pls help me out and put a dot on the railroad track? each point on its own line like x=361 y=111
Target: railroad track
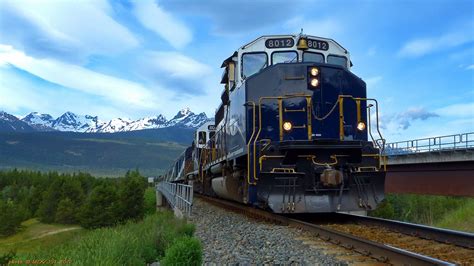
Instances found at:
x=386 y=241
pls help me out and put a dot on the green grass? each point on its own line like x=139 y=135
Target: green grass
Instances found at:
x=150 y=200
x=134 y=243
x=455 y=213
x=34 y=234
x=460 y=219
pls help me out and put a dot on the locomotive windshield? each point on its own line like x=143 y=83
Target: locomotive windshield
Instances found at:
x=284 y=57
x=313 y=57
x=253 y=63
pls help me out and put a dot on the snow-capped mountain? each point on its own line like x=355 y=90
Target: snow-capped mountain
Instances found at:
x=10 y=123
x=91 y=124
x=187 y=118
x=114 y=125
x=147 y=122
x=76 y=123
x=41 y=122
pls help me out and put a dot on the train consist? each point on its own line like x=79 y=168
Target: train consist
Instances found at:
x=291 y=133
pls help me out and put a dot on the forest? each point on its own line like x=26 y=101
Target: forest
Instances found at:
x=69 y=199
x=118 y=221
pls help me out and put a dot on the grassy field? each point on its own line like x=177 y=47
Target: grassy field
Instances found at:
x=133 y=243
x=35 y=234
x=459 y=219
x=455 y=213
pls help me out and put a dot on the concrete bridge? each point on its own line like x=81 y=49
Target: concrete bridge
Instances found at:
x=432 y=166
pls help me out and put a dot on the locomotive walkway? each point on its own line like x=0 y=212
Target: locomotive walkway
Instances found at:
x=435 y=166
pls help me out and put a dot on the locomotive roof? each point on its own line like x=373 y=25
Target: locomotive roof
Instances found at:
x=295 y=36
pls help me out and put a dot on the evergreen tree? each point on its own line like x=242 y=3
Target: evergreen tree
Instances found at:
x=10 y=218
x=50 y=199
x=66 y=212
x=100 y=208
x=131 y=196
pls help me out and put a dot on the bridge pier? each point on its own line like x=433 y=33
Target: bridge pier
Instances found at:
x=160 y=201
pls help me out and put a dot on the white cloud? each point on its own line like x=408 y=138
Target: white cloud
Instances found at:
x=81 y=27
x=81 y=79
x=470 y=67
x=24 y=96
x=457 y=110
x=175 y=72
x=423 y=46
x=177 y=65
x=327 y=28
x=156 y=19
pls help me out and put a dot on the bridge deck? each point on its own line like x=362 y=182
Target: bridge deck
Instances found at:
x=432 y=166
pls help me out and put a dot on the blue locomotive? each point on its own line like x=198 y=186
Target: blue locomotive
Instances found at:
x=291 y=133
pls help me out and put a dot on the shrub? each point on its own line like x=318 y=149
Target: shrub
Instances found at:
x=132 y=243
x=5 y=258
x=423 y=209
x=184 y=251
x=150 y=201
x=384 y=210
x=186 y=229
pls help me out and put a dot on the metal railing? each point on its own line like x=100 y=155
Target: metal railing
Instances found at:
x=179 y=196
x=442 y=143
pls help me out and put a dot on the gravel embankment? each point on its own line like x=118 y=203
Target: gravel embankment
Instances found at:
x=232 y=238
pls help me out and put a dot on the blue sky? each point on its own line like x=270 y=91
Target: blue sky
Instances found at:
x=142 y=58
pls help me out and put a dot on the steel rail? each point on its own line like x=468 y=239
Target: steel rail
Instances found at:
x=380 y=252
x=458 y=238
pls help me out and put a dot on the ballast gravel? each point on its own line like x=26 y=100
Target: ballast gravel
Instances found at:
x=232 y=238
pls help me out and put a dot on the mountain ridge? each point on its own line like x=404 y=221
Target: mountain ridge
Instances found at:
x=71 y=122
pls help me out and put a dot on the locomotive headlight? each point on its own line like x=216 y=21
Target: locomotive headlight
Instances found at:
x=314 y=71
x=287 y=126
x=361 y=126
x=314 y=82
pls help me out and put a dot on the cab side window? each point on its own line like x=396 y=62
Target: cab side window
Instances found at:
x=202 y=137
x=252 y=63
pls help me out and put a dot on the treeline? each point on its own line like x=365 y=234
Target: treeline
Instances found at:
x=69 y=199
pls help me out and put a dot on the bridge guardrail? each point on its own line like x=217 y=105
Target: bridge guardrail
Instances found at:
x=441 y=143
x=179 y=196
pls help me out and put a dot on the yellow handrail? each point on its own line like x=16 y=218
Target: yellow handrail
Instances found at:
x=280 y=111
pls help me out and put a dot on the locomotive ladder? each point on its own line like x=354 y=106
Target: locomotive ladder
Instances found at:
x=253 y=152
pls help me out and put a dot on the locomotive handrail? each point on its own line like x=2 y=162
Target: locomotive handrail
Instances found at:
x=382 y=161
x=250 y=140
x=357 y=99
x=432 y=144
x=280 y=111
